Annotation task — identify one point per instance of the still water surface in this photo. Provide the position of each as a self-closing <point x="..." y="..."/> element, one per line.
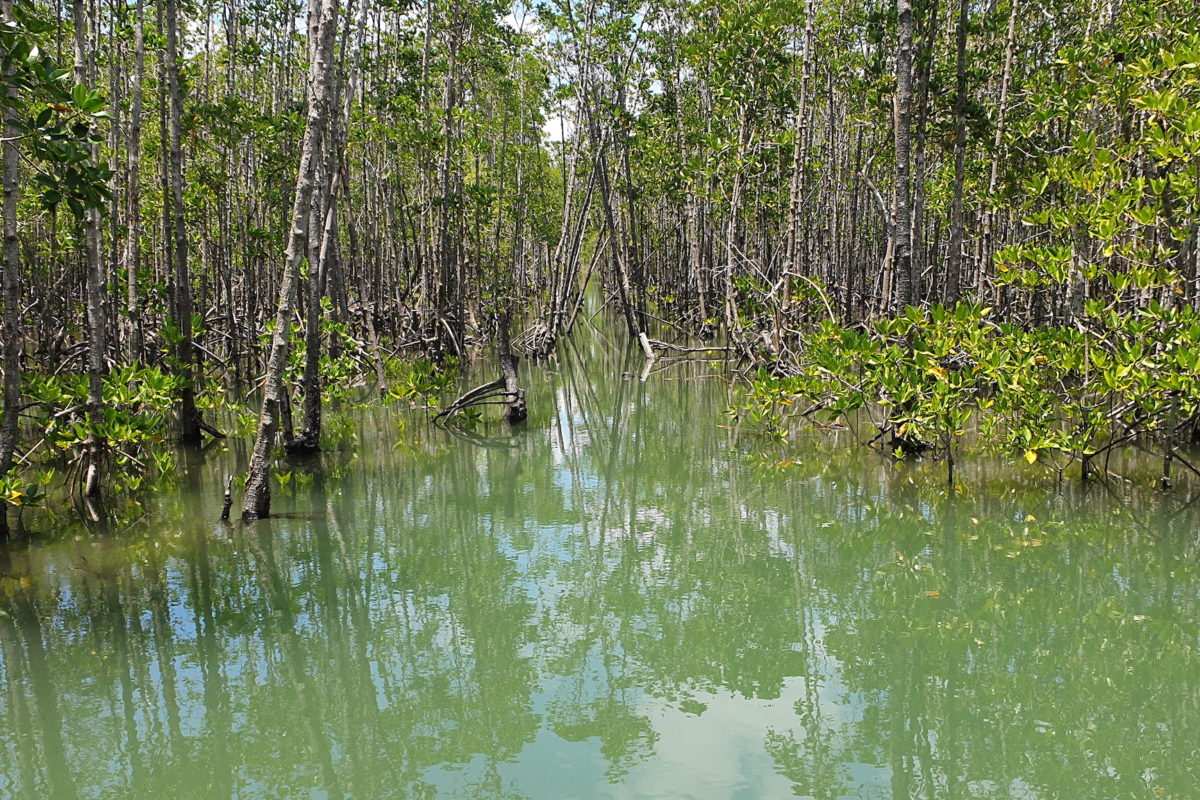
<point x="617" y="600"/>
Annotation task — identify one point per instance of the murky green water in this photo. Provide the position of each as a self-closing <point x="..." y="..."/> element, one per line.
<point x="612" y="601"/>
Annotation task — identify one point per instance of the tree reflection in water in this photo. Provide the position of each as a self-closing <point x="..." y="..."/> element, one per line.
<point x="615" y="603"/>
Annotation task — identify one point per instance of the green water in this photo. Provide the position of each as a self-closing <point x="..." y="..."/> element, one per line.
<point x="618" y="600"/>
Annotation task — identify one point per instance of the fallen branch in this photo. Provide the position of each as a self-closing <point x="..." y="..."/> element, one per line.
<point x="210" y="430"/>
<point x="505" y="387"/>
<point x="678" y="348"/>
<point x="644" y="341"/>
<point x="484" y="392"/>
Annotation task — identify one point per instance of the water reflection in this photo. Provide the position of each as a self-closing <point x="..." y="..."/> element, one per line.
<point x="608" y="602"/>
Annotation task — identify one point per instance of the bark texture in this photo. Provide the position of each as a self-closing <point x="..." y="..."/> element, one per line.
<point x="257" y="501"/>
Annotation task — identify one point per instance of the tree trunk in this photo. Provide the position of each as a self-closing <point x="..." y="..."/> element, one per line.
<point x="792" y="255"/>
<point x="954" y="260"/>
<point x="309" y="440"/>
<point x="137" y="344"/>
<point x="925" y="33"/>
<point x="185" y="354"/>
<point x="998" y="138"/>
<point x="10" y="291"/>
<point x="515" y="410"/>
<point x="902" y="214"/>
<point x="449" y="309"/>
<point x="97" y="343"/>
<point x="257" y="501"/>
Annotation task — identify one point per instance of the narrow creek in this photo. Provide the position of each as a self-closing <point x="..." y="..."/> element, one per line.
<point x="620" y="598"/>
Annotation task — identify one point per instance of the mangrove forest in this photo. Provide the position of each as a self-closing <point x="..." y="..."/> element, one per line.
<point x="600" y="399"/>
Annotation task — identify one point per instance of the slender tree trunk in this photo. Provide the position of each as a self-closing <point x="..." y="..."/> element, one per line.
<point x="449" y="291"/>
<point x="257" y="502"/>
<point x="994" y="173"/>
<point x="617" y="248"/>
<point x="733" y="227"/>
<point x="792" y="254"/>
<point x="133" y="261"/>
<point x="902" y="214"/>
<point x="185" y="353"/>
<point x="924" y="56"/>
<point x="954" y="260"/>
<point x="10" y="290"/>
<point x="309" y="440"/>
<point x="97" y="342"/>
<point x="800" y="132"/>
